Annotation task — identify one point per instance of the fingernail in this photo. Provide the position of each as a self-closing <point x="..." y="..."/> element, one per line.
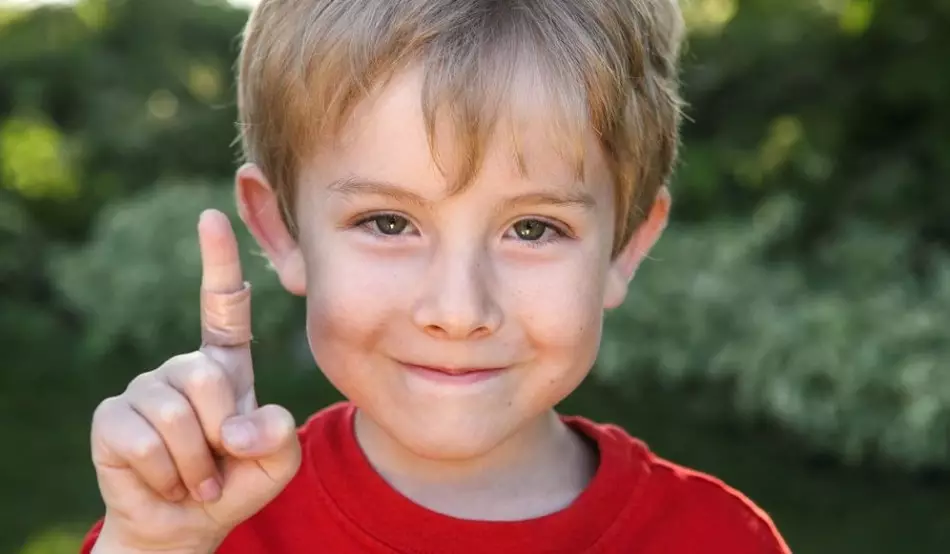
<point x="238" y="435"/>
<point x="209" y="490"/>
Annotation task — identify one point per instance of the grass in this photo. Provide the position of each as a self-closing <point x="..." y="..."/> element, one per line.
<point x="50" y="496"/>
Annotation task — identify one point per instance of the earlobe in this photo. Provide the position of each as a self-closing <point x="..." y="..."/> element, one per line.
<point x="624" y="265"/>
<point x="260" y="211"/>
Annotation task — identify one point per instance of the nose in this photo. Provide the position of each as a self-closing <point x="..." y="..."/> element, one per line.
<point x="459" y="299"/>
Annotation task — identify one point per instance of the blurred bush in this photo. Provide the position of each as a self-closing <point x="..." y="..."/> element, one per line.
<point x="848" y="351"/>
<point x="805" y="282"/>
<point x="135" y="283"/>
<point x="841" y="104"/>
<point x="104" y="98"/>
<point x="825" y="122"/>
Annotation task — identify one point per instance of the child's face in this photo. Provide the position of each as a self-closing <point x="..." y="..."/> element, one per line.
<point x="512" y="274"/>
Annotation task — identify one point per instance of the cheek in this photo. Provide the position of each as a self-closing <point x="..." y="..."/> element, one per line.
<point x="351" y="299"/>
<point x="344" y="323"/>
<point x="337" y="303"/>
<point x="562" y="309"/>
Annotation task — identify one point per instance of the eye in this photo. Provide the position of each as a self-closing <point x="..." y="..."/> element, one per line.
<point x="386" y="224"/>
<point x="535" y="230"/>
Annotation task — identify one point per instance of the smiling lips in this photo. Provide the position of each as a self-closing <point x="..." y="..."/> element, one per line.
<point x="454" y="375"/>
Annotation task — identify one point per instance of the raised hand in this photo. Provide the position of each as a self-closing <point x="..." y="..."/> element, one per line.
<point x="185" y="454"/>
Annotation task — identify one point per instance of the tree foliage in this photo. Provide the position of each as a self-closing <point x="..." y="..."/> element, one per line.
<point x="805" y="272"/>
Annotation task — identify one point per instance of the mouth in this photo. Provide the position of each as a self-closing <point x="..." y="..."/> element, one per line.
<point x="454" y="375"/>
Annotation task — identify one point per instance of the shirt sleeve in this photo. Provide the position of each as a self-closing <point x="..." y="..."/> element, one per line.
<point x="696" y="512"/>
<point x="724" y="520"/>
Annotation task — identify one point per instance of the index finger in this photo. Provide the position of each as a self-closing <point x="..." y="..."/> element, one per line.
<point x="225" y="296"/>
<point x="220" y="260"/>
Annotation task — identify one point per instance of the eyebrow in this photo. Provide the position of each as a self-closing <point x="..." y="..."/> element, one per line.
<point x="352" y="186"/>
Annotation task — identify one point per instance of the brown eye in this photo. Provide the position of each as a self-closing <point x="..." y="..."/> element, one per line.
<point x="530" y="229"/>
<point x="389" y="224"/>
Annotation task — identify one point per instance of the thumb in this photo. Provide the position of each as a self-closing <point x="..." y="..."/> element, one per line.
<point x="264" y="455"/>
<point x="267" y="436"/>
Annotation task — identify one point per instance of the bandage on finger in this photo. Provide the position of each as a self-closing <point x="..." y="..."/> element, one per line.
<point x="226" y="317"/>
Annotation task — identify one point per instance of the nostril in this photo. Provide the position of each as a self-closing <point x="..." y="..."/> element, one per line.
<point x="436" y="331"/>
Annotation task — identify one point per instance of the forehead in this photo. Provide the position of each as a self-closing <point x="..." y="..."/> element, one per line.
<point x="531" y="139"/>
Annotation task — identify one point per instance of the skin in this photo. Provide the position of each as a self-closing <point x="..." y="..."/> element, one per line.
<point x="476" y="279"/>
<point x="511" y="274"/>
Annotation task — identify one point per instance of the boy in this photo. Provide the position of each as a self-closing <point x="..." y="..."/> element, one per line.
<point x="459" y="188"/>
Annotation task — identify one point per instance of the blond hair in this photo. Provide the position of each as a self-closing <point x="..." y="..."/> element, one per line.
<point x="608" y="65"/>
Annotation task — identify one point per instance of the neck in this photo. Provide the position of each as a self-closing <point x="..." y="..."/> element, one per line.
<point x="539" y="470"/>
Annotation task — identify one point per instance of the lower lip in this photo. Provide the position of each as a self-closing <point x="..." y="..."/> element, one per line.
<point x="454" y="378"/>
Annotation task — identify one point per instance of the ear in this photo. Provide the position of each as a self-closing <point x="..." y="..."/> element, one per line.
<point x="260" y="211"/>
<point x="625" y="264"/>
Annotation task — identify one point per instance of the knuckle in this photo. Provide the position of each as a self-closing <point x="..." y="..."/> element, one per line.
<point x="146" y="397"/>
<point x="195" y="373"/>
<point x="149" y="378"/>
<point x="104" y="412"/>
<point x="204" y="375"/>
<point x="141" y="380"/>
<point x="174" y="365"/>
<point x="182" y="359"/>
<point x="173" y="411"/>
<point x="105" y="407"/>
<point x="145" y="447"/>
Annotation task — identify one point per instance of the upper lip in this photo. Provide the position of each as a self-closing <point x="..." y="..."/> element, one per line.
<point x="454" y="370"/>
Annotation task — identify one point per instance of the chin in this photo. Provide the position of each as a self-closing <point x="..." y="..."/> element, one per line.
<point x="454" y="449"/>
<point x="449" y="440"/>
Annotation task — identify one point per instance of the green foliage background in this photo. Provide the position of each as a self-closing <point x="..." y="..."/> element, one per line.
<point x="790" y="332"/>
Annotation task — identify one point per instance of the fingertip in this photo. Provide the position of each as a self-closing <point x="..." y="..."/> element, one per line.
<point x="261" y="433"/>
<point x="281" y="421"/>
<point x="238" y="435"/>
<point x="208" y="491"/>
<point x="211" y="216"/>
<point x="280" y="427"/>
<point x="220" y="258"/>
<point x="214" y="229"/>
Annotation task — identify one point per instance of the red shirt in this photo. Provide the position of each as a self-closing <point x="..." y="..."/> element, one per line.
<point x="636" y="503"/>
